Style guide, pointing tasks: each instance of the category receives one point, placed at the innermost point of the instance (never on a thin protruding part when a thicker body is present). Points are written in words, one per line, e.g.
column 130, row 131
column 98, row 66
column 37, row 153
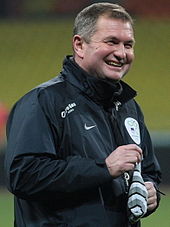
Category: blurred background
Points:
column 36, row 35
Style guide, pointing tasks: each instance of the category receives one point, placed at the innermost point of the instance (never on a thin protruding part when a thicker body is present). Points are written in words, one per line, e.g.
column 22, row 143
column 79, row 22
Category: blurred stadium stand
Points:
column 149, row 8
column 10, row 8
column 145, row 8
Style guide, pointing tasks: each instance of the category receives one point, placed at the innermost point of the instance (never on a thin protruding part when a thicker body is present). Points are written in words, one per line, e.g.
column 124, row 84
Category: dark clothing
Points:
column 59, row 135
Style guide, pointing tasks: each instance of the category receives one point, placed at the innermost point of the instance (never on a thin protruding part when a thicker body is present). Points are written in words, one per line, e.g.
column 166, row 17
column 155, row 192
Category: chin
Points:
column 115, row 77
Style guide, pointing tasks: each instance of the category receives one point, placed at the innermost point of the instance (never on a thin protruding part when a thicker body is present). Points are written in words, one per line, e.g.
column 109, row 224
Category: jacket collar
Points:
column 101, row 91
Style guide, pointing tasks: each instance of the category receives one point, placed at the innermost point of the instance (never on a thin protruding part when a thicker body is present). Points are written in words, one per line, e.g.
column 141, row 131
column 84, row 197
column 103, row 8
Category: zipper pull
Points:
column 126, row 177
column 117, row 104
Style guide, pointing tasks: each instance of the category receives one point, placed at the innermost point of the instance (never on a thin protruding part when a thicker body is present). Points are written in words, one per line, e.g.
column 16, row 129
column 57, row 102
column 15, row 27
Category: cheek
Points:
column 131, row 56
column 101, row 51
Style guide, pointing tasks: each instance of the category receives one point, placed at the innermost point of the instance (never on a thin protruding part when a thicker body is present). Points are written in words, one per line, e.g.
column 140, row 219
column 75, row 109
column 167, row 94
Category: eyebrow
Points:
column 131, row 41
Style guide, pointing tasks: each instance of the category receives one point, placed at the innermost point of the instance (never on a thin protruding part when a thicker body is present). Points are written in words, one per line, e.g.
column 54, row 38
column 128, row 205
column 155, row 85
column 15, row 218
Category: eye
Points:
column 111, row 42
column 128, row 45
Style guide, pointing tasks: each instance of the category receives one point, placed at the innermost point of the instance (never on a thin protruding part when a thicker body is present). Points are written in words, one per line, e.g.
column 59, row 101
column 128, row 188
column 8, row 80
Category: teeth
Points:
column 114, row 64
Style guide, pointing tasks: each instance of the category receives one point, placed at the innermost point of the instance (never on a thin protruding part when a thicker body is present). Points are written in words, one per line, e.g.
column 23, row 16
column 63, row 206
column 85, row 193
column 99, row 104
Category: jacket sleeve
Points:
column 151, row 170
column 32, row 166
column 150, row 167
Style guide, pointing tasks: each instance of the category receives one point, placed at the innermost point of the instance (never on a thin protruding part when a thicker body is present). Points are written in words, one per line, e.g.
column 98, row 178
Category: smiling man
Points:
column 79, row 153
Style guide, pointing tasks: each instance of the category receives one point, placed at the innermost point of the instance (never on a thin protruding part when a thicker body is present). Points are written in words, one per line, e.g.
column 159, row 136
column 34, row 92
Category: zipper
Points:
column 126, row 180
column 115, row 110
column 126, row 176
column 117, row 104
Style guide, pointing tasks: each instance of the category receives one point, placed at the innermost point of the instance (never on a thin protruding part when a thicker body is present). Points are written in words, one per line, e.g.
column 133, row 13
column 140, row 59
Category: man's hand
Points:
column 152, row 197
column 123, row 159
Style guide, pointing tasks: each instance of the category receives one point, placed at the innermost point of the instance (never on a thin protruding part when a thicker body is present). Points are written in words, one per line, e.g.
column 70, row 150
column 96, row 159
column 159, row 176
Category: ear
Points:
column 78, row 46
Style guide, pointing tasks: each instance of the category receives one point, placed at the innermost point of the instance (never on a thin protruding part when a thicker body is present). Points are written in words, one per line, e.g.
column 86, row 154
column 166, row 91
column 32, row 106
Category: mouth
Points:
column 115, row 64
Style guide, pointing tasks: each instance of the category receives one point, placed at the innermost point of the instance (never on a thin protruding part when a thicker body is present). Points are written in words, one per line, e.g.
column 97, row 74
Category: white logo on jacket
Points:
column 133, row 129
column 69, row 108
column 89, row 127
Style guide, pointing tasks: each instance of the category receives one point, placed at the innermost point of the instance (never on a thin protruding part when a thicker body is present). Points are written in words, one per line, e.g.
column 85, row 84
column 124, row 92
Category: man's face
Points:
column 110, row 52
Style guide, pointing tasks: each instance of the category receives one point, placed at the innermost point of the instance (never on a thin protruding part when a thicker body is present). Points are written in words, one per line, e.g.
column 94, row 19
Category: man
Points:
column 73, row 141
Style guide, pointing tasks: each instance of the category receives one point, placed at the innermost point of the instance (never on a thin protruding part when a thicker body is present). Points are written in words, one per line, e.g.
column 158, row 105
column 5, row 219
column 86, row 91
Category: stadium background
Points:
column 35, row 36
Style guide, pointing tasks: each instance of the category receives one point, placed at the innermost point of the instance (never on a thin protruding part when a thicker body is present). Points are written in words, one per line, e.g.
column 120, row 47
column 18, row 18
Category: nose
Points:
column 120, row 52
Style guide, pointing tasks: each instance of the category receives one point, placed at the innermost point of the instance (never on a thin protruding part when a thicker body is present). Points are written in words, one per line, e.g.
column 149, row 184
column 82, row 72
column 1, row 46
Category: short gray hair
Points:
column 85, row 22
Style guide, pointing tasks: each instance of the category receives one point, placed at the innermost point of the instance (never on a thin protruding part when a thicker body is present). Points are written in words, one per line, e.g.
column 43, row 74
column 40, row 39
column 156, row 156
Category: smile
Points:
column 115, row 64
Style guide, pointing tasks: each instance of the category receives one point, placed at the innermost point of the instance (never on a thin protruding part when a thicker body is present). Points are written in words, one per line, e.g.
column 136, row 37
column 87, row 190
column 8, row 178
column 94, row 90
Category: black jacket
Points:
column 59, row 135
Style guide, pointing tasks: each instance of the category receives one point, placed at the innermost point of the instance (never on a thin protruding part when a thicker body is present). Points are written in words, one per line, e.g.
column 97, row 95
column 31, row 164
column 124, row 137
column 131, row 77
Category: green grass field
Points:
column 158, row 219
column 32, row 52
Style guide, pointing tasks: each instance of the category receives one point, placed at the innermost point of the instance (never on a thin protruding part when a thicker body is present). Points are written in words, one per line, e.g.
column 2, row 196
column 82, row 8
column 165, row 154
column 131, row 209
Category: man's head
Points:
column 103, row 40
column 85, row 22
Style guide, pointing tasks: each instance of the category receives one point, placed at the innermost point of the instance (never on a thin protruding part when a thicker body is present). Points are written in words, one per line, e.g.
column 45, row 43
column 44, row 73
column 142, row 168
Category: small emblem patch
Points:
column 69, row 108
column 132, row 127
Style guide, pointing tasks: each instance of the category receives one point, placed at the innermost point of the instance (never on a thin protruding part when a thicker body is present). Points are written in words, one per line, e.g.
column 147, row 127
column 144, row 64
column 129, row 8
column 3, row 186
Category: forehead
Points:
column 114, row 27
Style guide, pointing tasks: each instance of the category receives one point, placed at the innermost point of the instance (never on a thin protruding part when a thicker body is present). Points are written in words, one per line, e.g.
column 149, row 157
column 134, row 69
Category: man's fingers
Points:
column 152, row 197
column 123, row 158
column 133, row 147
column 152, row 206
column 150, row 187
